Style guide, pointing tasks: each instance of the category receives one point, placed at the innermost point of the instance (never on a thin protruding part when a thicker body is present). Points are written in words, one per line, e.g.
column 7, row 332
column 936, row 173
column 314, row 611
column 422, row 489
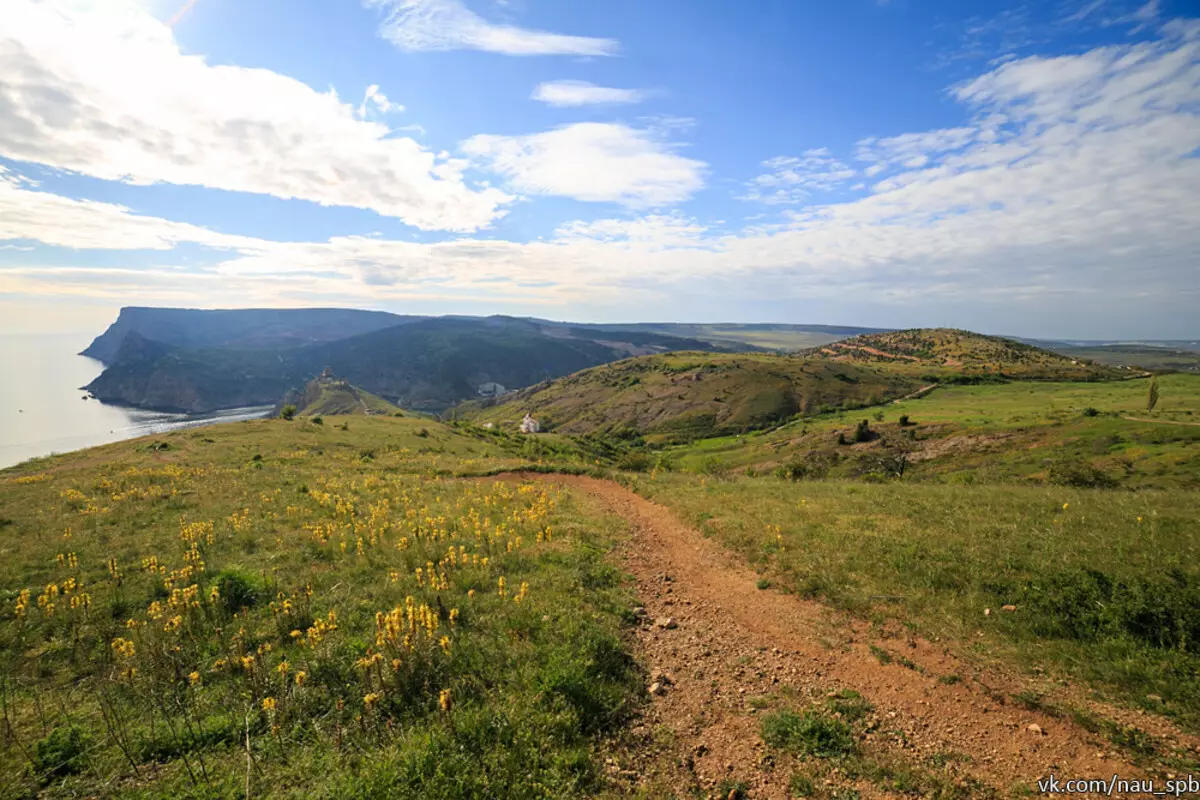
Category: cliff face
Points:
column 152, row 375
column 250, row 328
column 430, row 364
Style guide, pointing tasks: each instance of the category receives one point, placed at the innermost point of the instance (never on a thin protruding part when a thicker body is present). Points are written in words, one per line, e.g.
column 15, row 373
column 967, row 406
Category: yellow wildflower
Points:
column 268, row 704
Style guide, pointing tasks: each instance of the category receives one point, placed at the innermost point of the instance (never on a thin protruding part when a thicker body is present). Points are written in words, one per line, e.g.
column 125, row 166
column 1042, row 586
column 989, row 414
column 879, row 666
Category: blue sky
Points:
column 1012, row 168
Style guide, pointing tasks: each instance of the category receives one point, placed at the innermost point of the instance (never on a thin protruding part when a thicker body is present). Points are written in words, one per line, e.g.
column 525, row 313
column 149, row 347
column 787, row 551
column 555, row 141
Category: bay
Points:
column 42, row 410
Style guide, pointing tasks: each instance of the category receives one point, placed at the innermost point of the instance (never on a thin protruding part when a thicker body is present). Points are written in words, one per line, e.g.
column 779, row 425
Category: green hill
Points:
column 428, row 364
column 684, row 396
column 327, row 395
column 951, row 353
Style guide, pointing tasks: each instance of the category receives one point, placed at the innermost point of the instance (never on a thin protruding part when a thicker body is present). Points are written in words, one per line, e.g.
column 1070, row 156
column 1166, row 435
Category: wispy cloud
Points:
column 581, row 93
column 592, row 161
column 418, row 25
column 1070, row 188
column 793, row 179
column 104, row 90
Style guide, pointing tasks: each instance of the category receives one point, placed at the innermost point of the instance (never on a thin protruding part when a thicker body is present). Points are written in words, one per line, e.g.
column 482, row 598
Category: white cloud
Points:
column 592, row 161
column 418, row 25
column 565, row 94
column 375, row 101
column 88, row 225
column 1070, row 191
column 102, row 88
column 793, row 179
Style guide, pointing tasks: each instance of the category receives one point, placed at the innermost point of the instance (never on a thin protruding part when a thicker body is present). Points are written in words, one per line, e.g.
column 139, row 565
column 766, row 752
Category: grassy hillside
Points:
column 332, row 396
column 1097, row 432
column 352, row 609
column 948, row 353
column 766, row 336
column 1105, row 585
column 313, row 598
column 685, row 396
column 428, row 364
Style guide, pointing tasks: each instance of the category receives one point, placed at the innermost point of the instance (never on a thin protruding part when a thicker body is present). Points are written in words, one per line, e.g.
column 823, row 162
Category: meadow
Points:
column 1018, row 432
column 1105, row 584
column 304, row 610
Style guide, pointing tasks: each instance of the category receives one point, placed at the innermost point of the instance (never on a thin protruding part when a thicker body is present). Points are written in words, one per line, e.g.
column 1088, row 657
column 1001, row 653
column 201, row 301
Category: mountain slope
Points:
column 429, row 364
column 327, row 395
column 192, row 328
column 948, row 352
column 689, row 395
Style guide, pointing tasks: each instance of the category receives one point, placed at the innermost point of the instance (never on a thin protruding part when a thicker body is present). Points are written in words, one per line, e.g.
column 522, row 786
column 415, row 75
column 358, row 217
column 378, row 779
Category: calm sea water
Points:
column 41, row 410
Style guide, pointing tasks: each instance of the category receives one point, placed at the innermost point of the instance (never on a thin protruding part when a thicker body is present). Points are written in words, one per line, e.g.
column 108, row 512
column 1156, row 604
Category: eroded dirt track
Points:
column 728, row 642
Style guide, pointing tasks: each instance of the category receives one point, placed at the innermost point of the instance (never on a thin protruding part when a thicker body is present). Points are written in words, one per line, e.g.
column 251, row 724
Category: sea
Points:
column 42, row 410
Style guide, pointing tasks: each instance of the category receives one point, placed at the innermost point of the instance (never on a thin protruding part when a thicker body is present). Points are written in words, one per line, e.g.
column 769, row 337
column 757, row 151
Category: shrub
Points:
column 1072, row 472
column 904, row 422
column 862, row 432
column 61, row 753
column 634, row 462
column 811, row 733
column 239, row 589
column 288, row 412
column 318, row 421
column 1090, row 412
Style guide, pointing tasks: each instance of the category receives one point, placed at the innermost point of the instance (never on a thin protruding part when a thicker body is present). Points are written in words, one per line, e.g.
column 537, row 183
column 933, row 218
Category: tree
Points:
column 1152, row 397
column 862, row 432
column 287, row 412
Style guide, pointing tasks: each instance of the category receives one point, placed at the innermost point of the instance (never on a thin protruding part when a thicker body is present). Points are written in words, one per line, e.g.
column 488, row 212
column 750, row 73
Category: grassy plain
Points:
column 995, row 432
column 689, row 395
column 304, row 610
column 1106, row 583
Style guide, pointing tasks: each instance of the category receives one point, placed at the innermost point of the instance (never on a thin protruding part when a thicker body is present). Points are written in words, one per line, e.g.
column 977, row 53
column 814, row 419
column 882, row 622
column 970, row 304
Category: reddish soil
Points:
column 728, row 642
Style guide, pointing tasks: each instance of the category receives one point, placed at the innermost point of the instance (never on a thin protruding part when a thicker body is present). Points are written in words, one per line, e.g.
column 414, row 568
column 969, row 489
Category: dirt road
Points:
column 722, row 644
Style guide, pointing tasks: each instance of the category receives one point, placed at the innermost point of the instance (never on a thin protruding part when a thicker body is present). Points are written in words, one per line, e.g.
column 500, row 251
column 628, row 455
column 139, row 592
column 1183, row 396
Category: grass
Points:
column 1012, row 432
column 689, row 395
column 1106, row 583
column 951, row 354
column 327, row 606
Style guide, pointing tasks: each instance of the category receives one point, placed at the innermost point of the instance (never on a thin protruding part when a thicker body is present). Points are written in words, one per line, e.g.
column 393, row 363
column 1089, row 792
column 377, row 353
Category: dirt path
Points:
column 729, row 642
column 1160, row 421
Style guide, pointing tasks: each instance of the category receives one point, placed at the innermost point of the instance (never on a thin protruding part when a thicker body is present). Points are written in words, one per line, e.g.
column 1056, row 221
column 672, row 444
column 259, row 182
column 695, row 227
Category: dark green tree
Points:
column 1152, row 396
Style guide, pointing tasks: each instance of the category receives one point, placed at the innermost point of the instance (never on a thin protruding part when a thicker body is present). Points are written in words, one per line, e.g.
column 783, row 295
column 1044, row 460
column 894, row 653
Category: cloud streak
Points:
column 423, row 25
column 569, row 94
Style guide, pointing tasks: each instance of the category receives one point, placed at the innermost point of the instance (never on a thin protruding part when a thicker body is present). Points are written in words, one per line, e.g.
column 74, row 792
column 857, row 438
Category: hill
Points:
column 283, row 609
column 191, row 328
column 738, row 336
column 426, row 364
column 327, row 395
column 690, row 395
column 950, row 353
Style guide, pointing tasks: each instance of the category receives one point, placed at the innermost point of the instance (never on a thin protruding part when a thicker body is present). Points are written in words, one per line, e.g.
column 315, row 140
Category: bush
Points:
column 288, row 412
column 1077, row 473
column 862, row 432
column 634, row 462
column 239, row 589
column 318, row 421
column 811, row 733
column 1161, row 611
column 61, row 753
column 1090, row 412
column 904, row 421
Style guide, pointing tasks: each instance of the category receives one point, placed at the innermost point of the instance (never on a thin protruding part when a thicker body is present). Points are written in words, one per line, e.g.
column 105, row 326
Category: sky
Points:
column 1018, row 168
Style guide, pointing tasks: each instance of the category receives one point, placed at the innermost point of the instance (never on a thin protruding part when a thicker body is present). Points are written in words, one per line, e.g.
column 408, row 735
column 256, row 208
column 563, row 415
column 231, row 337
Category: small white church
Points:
column 530, row 425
